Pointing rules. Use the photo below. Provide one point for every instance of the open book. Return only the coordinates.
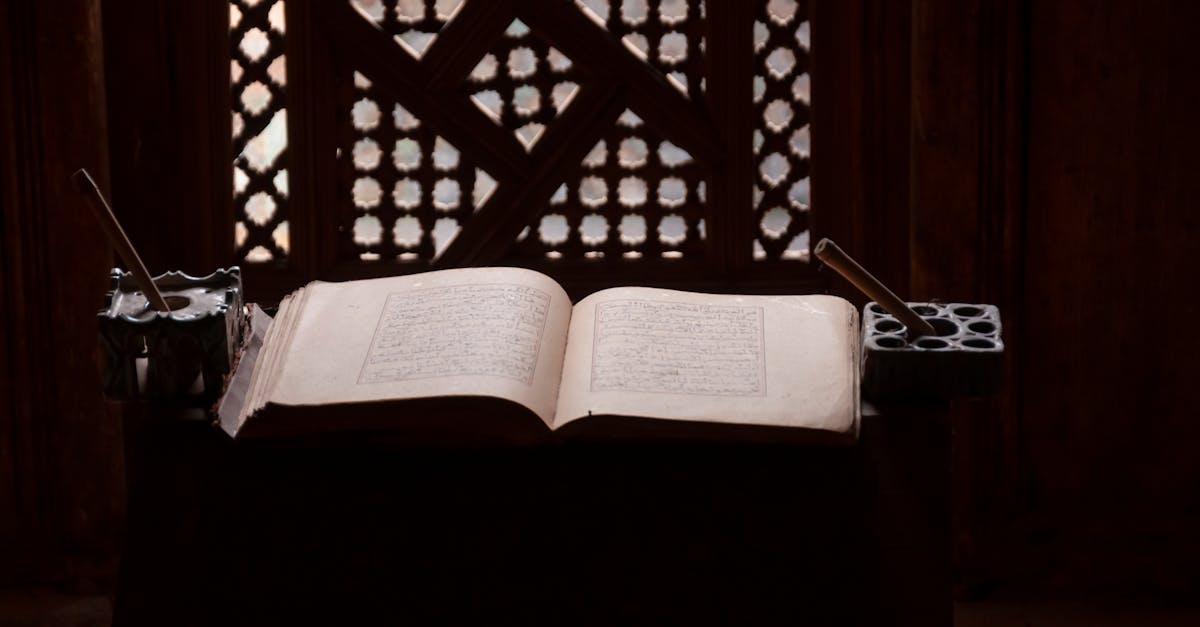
(501, 354)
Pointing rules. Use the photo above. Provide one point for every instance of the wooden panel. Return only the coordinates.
(1110, 423)
(1052, 151)
(965, 228)
(887, 135)
(19, 513)
(168, 108)
(63, 453)
(349, 37)
(730, 44)
(860, 134)
(944, 234)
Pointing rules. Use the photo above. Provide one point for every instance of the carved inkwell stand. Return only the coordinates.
(922, 351)
(170, 339)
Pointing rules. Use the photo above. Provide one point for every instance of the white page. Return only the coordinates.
(762, 360)
(471, 332)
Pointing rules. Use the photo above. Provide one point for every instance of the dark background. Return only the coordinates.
(1037, 155)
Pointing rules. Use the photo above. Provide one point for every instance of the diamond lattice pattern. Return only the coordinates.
(410, 190)
(666, 34)
(523, 84)
(414, 24)
(637, 196)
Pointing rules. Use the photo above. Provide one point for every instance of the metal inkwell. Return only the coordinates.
(181, 355)
(922, 351)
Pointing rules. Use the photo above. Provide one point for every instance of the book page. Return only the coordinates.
(758, 360)
(231, 409)
(472, 332)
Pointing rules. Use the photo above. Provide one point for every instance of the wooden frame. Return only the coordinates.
(859, 170)
(859, 140)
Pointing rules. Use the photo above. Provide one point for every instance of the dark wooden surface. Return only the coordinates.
(252, 533)
(1110, 426)
(1051, 149)
(60, 487)
(167, 89)
(966, 230)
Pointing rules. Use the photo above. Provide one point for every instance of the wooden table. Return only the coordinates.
(350, 532)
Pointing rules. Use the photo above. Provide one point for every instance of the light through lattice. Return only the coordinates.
(523, 84)
(414, 24)
(258, 79)
(781, 137)
(637, 196)
(410, 191)
(407, 192)
(667, 34)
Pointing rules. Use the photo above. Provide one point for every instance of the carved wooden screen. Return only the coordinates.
(258, 76)
(600, 141)
(781, 134)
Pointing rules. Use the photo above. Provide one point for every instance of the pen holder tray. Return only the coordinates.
(965, 359)
(179, 356)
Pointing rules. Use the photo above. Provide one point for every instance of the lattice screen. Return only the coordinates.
(414, 24)
(667, 34)
(523, 83)
(258, 76)
(636, 195)
(782, 138)
(412, 190)
(406, 191)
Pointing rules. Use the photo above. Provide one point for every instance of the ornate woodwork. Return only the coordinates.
(579, 138)
(178, 357)
(782, 140)
(412, 189)
(636, 194)
(258, 78)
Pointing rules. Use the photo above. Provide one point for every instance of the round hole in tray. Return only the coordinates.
(877, 309)
(175, 302)
(982, 326)
(968, 311)
(890, 341)
(888, 325)
(978, 342)
(943, 326)
(932, 342)
(925, 310)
